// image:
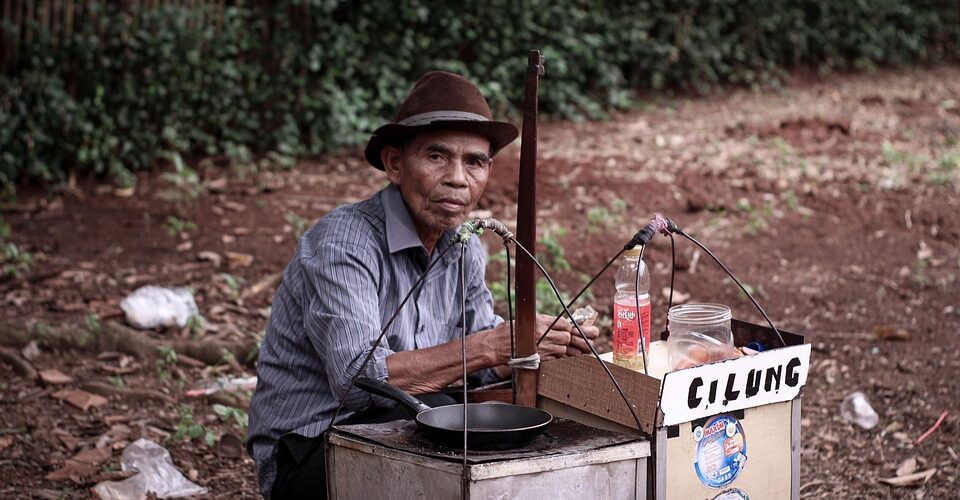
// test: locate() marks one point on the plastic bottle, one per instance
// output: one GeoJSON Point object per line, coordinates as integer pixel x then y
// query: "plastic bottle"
{"type": "Point", "coordinates": [626, 331]}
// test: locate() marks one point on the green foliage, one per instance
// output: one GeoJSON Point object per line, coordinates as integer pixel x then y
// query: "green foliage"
{"type": "Point", "coordinates": [227, 413]}
{"type": "Point", "coordinates": [134, 84]}
{"type": "Point", "coordinates": [188, 428]}
{"type": "Point", "coordinates": [554, 259]}
{"type": "Point", "coordinates": [297, 223]}
{"type": "Point", "coordinates": [166, 359]}
{"type": "Point", "coordinates": [195, 324]}
{"type": "Point", "coordinates": [116, 381]}
{"type": "Point", "coordinates": [92, 322]}
{"type": "Point", "coordinates": [600, 218]}
{"type": "Point", "coordinates": [13, 260]}
{"type": "Point", "coordinates": [175, 225]}
{"type": "Point", "coordinates": [184, 183]}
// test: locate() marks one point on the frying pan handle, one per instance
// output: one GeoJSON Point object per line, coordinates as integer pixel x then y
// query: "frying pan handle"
{"type": "Point", "coordinates": [380, 388]}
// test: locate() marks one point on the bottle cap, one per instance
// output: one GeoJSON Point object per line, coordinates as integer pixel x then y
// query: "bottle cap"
{"type": "Point", "coordinates": [633, 252]}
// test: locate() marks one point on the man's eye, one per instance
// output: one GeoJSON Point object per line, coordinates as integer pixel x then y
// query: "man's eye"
{"type": "Point", "coordinates": [435, 157]}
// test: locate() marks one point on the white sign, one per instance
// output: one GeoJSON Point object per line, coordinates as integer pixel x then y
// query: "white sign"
{"type": "Point", "coordinates": [769, 377]}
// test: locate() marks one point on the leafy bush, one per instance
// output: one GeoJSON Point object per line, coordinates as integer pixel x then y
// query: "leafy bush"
{"type": "Point", "coordinates": [134, 84]}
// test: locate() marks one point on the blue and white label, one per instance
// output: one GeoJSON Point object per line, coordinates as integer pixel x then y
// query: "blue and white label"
{"type": "Point", "coordinates": [721, 451]}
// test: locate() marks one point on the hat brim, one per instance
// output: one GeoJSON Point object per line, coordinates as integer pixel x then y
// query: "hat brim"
{"type": "Point", "coordinates": [498, 133]}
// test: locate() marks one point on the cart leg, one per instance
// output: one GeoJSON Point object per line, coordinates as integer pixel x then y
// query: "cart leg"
{"type": "Point", "coordinates": [795, 449]}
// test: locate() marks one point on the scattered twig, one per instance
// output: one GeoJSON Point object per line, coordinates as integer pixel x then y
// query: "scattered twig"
{"type": "Point", "coordinates": [909, 479]}
{"type": "Point", "coordinates": [132, 393]}
{"type": "Point", "coordinates": [930, 430]}
{"type": "Point", "coordinates": [23, 367]}
{"type": "Point", "coordinates": [811, 483]}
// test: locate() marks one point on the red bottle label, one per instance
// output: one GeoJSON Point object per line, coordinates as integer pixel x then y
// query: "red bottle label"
{"type": "Point", "coordinates": [626, 332]}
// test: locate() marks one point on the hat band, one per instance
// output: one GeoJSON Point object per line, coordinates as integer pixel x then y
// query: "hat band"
{"type": "Point", "coordinates": [434, 116]}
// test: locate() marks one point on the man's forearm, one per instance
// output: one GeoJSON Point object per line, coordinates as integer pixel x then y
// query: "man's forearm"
{"type": "Point", "coordinates": [431, 369]}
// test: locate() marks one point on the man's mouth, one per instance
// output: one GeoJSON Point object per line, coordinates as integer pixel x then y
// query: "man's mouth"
{"type": "Point", "coordinates": [451, 204]}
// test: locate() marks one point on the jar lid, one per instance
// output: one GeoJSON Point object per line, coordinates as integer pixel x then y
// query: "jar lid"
{"type": "Point", "coordinates": [699, 314]}
{"type": "Point", "coordinates": [633, 252]}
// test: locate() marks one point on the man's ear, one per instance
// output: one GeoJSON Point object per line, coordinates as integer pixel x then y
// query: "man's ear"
{"type": "Point", "coordinates": [391, 157]}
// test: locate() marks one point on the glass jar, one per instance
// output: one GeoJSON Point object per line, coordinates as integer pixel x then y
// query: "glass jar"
{"type": "Point", "coordinates": [699, 333]}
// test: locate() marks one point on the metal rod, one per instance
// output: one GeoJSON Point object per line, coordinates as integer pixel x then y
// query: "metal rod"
{"type": "Point", "coordinates": [636, 296]}
{"type": "Point", "coordinates": [463, 351]}
{"type": "Point", "coordinates": [513, 347]}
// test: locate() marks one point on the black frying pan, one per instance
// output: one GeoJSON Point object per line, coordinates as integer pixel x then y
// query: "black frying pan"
{"type": "Point", "coordinates": [489, 426]}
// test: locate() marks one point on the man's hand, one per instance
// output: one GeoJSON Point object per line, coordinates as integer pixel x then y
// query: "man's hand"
{"type": "Point", "coordinates": [564, 339]}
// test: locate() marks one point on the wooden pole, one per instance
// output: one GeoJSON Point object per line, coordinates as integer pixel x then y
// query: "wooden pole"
{"type": "Point", "coordinates": [526, 341]}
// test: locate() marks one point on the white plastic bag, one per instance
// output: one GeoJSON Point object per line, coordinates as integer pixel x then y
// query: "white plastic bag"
{"type": "Point", "coordinates": [156, 473]}
{"type": "Point", "coordinates": [152, 306]}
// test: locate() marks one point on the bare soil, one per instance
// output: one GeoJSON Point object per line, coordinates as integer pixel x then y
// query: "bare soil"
{"type": "Point", "coordinates": [836, 200]}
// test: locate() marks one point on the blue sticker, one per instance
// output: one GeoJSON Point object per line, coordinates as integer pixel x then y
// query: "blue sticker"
{"type": "Point", "coordinates": [721, 451]}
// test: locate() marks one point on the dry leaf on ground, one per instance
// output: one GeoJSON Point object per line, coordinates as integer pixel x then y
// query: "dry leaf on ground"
{"type": "Point", "coordinates": [910, 479]}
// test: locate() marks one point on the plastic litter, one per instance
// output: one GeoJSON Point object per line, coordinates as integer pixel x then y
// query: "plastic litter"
{"type": "Point", "coordinates": [856, 409]}
{"type": "Point", "coordinates": [585, 316]}
{"type": "Point", "coordinates": [152, 306]}
{"type": "Point", "coordinates": [226, 384]}
{"type": "Point", "coordinates": [157, 474]}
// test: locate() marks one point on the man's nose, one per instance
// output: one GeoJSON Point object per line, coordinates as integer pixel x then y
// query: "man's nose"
{"type": "Point", "coordinates": [456, 174]}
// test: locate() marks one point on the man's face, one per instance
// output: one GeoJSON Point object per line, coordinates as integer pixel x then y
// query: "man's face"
{"type": "Point", "coordinates": [441, 175]}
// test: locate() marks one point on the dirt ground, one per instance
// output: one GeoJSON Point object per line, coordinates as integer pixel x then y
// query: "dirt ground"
{"type": "Point", "coordinates": [836, 200]}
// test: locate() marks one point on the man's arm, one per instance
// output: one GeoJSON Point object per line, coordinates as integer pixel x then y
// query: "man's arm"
{"type": "Point", "coordinates": [431, 369]}
{"type": "Point", "coordinates": [342, 316]}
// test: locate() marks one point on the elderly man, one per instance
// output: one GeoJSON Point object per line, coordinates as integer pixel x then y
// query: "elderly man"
{"type": "Point", "coordinates": [352, 269]}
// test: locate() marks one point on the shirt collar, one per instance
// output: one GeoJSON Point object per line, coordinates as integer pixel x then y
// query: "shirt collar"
{"type": "Point", "coordinates": [401, 233]}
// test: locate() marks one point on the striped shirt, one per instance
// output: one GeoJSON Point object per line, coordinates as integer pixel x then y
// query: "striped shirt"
{"type": "Point", "coordinates": [349, 274]}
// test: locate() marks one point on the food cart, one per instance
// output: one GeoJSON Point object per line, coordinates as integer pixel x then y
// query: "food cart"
{"type": "Point", "coordinates": [724, 430]}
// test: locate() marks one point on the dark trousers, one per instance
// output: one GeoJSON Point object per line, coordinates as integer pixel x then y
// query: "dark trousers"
{"type": "Point", "coordinates": [301, 462]}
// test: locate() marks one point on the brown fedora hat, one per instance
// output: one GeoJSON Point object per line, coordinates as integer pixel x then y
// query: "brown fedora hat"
{"type": "Point", "coordinates": [441, 100]}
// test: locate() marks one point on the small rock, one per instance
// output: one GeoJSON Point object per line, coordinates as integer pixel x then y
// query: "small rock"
{"type": "Point", "coordinates": [209, 256]}
{"type": "Point", "coordinates": [217, 185]}
{"type": "Point", "coordinates": [193, 474]}
{"type": "Point", "coordinates": [124, 192]}
{"type": "Point", "coordinates": [924, 252]}
{"type": "Point", "coordinates": [909, 466]}
{"type": "Point", "coordinates": [228, 239]}
{"type": "Point", "coordinates": [81, 399]}
{"type": "Point", "coordinates": [53, 376]}
{"type": "Point", "coordinates": [234, 206]}
{"type": "Point", "coordinates": [185, 246]}
{"type": "Point", "coordinates": [236, 259]}
{"type": "Point", "coordinates": [30, 351]}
